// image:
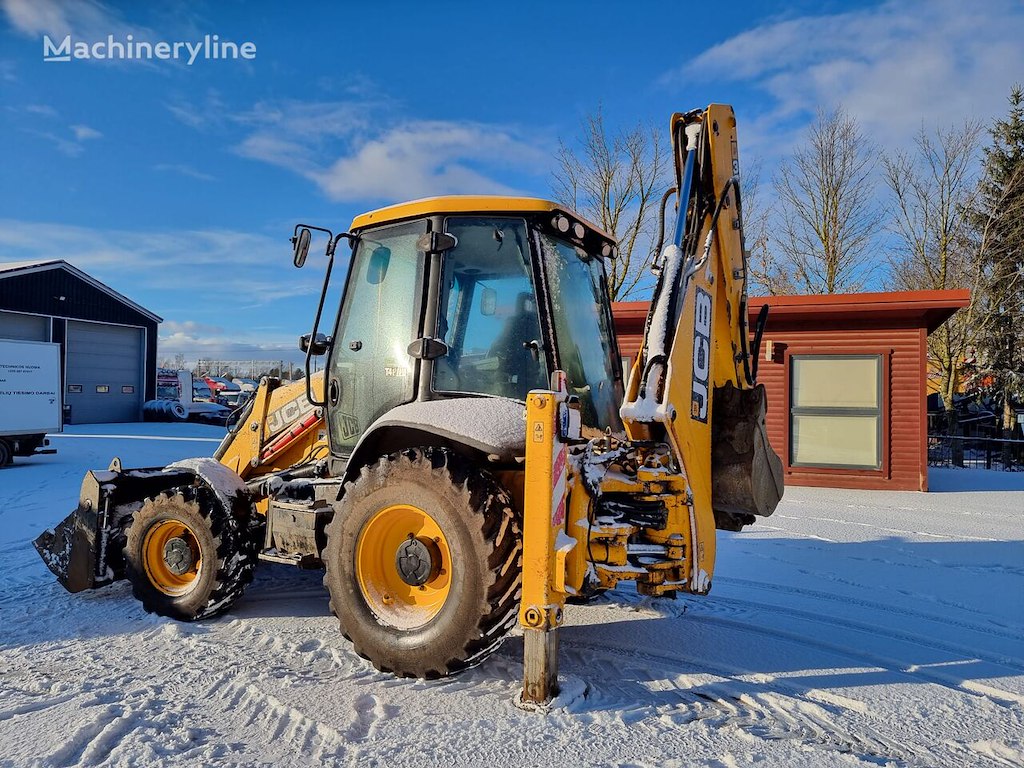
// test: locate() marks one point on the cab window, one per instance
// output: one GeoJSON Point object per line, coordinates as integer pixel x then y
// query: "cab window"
{"type": "Point", "coordinates": [489, 316]}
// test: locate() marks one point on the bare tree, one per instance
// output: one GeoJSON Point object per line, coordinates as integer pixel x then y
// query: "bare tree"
{"type": "Point", "coordinates": [827, 214]}
{"type": "Point", "coordinates": [616, 181]}
{"type": "Point", "coordinates": [767, 274]}
{"type": "Point", "coordinates": [934, 190]}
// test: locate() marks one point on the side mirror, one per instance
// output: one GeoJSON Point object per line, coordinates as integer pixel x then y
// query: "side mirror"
{"type": "Point", "coordinates": [488, 301]}
{"type": "Point", "coordinates": [300, 243]}
{"type": "Point", "coordinates": [377, 269]}
{"type": "Point", "coordinates": [318, 346]}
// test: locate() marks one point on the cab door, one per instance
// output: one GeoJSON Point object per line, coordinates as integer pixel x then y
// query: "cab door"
{"type": "Point", "coordinates": [370, 370]}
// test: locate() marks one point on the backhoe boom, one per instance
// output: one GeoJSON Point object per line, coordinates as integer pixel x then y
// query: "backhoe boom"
{"type": "Point", "coordinates": [695, 455]}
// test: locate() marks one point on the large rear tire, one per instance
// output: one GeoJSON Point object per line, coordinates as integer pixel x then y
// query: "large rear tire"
{"type": "Point", "coordinates": [186, 556]}
{"type": "Point", "coordinates": [423, 563]}
{"type": "Point", "coordinates": [6, 453]}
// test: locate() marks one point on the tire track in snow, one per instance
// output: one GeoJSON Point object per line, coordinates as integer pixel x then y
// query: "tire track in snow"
{"type": "Point", "coordinates": [872, 629]}
{"type": "Point", "coordinates": [1012, 634]}
{"type": "Point", "coordinates": [245, 703]}
{"type": "Point", "coordinates": [894, 666]}
{"type": "Point", "coordinates": [726, 701]}
{"type": "Point", "coordinates": [886, 529]}
{"type": "Point", "coordinates": [126, 720]}
{"type": "Point", "coordinates": [702, 610]}
{"type": "Point", "coordinates": [369, 711]}
{"type": "Point", "coordinates": [192, 667]}
{"type": "Point", "coordinates": [804, 569]}
{"type": "Point", "coordinates": [277, 721]}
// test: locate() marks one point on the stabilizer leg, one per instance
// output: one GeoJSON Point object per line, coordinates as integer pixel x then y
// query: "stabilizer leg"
{"type": "Point", "coordinates": [544, 551]}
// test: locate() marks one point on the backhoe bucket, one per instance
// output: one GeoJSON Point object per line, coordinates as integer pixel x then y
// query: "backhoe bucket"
{"type": "Point", "coordinates": [82, 550]}
{"type": "Point", "coordinates": [746, 474]}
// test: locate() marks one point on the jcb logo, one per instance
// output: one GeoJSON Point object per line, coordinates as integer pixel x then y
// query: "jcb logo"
{"type": "Point", "coordinates": [701, 356]}
{"type": "Point", "coordinates": [289, 413]}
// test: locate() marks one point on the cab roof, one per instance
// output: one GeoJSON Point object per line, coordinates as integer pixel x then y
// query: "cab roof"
{"type": "Point", "coordinates": [456, 204]}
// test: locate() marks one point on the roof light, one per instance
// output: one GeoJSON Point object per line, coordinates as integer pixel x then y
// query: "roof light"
{"type": "Point", "coordinates": [606, 250]}
{"type": "Point", "coordinates": [561, 223]}
{"type": "Point", "coordinates": [578, 230]}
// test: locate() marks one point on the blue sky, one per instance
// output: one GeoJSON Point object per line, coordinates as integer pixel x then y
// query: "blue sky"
{"type": "Point", "coordinates": [178, 185]}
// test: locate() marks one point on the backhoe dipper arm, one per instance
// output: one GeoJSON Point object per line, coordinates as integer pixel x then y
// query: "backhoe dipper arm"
{"type": "Point", "coordinates": [696, 334]}
{"type": "Point", "coordinates": [693, 384]}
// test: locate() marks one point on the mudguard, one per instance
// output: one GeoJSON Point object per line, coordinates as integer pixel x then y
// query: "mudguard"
{"type": "Point", "coordinates": [495, 426]}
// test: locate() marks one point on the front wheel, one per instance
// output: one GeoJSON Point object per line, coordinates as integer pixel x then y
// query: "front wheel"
{"type": "Point", "coordinates": [423, 563]}
{"type": "Point", "coordinates": [186, 556]}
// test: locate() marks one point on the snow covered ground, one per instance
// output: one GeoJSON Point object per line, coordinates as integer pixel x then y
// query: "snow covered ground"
{"type": "Point", "coordinates": [850, 629]}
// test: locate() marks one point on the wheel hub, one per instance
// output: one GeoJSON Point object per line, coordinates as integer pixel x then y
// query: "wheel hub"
{"type": "Point", "coordinates": [178, 556]}
{"type": "Point", "coordinates": [172, 556]}
{"type": "Point", "coordinates": [417, 561]}
{"type": "Point", "coordinates": [403, 564]}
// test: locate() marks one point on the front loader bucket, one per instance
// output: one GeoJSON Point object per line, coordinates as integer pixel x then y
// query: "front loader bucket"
{"type": "Point", "coordinates": [84, 550]}
{"type": "Point", "coordinates": [746, 474]}
{"type": "Point", "coordinates": [71, 548]}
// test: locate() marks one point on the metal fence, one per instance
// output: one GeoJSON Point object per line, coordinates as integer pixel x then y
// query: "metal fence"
{"type": "Point", "coordinates": [253, 369]}
{"type": "Point", "coordinates": [975, 452]}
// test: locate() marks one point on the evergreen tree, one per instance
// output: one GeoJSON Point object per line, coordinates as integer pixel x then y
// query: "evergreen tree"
{"type": "Point", "coordinates": [999, 229]}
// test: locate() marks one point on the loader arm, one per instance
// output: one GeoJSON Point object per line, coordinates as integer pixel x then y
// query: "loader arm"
{"type": "Point", "coordinates": [278, 429]}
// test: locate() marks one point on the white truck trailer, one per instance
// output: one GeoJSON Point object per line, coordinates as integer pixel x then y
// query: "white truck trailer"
{"type": "Point", "coordinates": [30, 398]}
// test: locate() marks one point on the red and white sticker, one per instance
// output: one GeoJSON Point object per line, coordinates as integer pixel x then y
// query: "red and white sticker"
{"type": "Point", "coordinates": [558, 475]}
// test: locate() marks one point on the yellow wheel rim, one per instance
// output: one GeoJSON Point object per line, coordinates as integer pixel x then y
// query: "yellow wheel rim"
{"type": "Point", "coordinates": [171, 557]}
{"type": "Point", "coordinates": [406, 588]}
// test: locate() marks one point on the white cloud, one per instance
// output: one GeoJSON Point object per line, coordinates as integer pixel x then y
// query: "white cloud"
{"type": "Point", "coordinates": [208, 111]}
{"type": "Point", "coordinates": [86, 21]}
{"type": "Point", "coordinates": [85, 133]}
{"type": "Point", "coordinates": [235, 346]}
{"type": "Point", "coordinates": [64, 146]}
{"type": "Point", "coordinates": [70, 147]}
{"type": "Point", "coordinates": [358, 151]}
{"type": "Point", "coordinates": [184, 170]}
{"type": "Point", "coordinates": [354, 158]}
{"type": "Point", "coordinates": [189, 327]}
{"type": "Point", "coordinates": [218, 290]}
{"type": "Point", "coordinates": [83, 18]}
{"type": "Point", "coordinates": [57, 133]}
{"type": "Point", "coordinates": [41, 109]}
{"type": "Point", "coordinates": [422, 159]}
{"type": "Point", "coordinates": [200, 263]}
{"type": "Point", "coordinates": [893, 66]}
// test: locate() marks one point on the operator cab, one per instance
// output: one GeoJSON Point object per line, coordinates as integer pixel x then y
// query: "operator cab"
{"type": "Point", "coordinates": [469, 297]}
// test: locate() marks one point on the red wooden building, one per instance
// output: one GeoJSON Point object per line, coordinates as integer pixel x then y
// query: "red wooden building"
{"type": "Point", "coordinates": [846, 378]}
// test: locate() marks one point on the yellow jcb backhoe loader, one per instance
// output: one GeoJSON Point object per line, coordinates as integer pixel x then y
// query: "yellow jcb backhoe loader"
{"type": "Point", "coordinates": [483, 461]}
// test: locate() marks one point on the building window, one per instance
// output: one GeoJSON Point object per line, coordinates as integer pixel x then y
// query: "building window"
{"type": "Point", "coordinates": [835, 415]}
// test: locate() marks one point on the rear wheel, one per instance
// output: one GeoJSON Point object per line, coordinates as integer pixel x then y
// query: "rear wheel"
{"type": "Point", "coordinates": [6, 454]}
{"type": "Point", "coordinates": [186, 556]}
{"type": "Point", "coordinates": [423, 563]}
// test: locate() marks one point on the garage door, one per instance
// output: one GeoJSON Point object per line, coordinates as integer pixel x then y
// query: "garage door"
{"type": "Point", "coordinates": [14, 325]}
{"type": "Point", "coordinates": [104, 373]}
